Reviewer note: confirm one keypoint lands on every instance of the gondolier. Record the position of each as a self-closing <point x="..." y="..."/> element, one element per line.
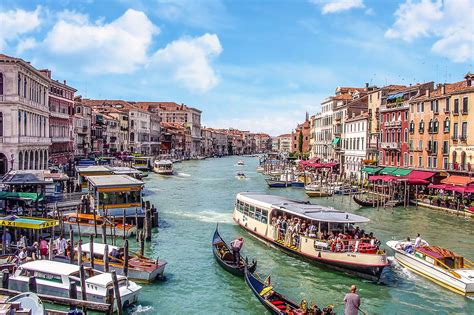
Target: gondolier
<point x="236" y="247"/>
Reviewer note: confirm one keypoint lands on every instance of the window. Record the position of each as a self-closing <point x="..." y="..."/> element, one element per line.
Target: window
<point x="420" y="162"/>
<point x="445" y="147"/>
<point x="410" y="145"/>
<point x="435" y="162"/>
<point x="435" y="147"/>
<point x="456" y="106"/>
<point x="412" y="126"/>
<point x="429" y="161"/>
<point x="421" y="127"/>
<point x="435" y="126"/>
<point x="446" y="108"/>
<point x="455" y="131"/>
<point x="430" y="126"/>
<point x="445" y="163"/>
<point x="446" y="125"/>
<point x="464" y="105"/>
<point x="420" y="144"/>
<point x="411" y="160"/>
<point x="464" y="131"/>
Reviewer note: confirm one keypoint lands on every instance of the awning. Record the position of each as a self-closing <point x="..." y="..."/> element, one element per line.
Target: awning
<point x="371" y="170"/>
<point x="385" y="178"/>
<point x="336" y="141"/>
<point x="27" y="222"/>
<point x="437" y="186"/>
<point x="458" y="189"/>
<point x="420" y="175"/>
<point x="388" y="170"/>
<point x="20" y="196"/>
<point x="417" y="181"/>
<point x="458" y="180"/>
<point x="401" y="172"/>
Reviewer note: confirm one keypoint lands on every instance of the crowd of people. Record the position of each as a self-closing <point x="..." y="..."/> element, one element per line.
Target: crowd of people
<point x="289" y="230"/>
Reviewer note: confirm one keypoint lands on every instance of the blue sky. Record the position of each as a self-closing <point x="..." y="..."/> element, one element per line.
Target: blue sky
<point x="257" y="65"/>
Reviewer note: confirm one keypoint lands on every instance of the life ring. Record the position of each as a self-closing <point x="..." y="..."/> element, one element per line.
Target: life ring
<point x="335" y="248"/>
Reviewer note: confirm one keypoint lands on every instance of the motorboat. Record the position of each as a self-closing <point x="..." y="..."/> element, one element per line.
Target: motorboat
<point x="345" y="189"/>
<point x="240" y="175"/>
<point x="439" y="265"/>
<point x="30" y="303"/>
<point x="140" y="268"/>
<point x="163" y="167"/>
<point x="54" y="278"/>
<point x="255" y="213"/>
<point x="240" y="162"/>
<point x="84" y="224"/>
<point x="260" y="169"/>
<point x="318" y="190"/>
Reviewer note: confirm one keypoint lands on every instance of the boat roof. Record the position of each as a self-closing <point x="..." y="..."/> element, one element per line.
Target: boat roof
<point x="49" y="266"/>
<point x="123" y="170"/>
<point x="304" y="208"/>
<point x="163" y="162"/>
<point x="103" y="279"/>
<point x="114" y="181"/>
<point x="437" y="252"/>
<point x="83" y="215"/>
<point x="98" y="248"/>
<point x="92" y="168"/>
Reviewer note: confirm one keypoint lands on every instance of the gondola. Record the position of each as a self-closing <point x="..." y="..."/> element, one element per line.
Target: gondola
<point x="224" y="256"/>
<point x="364" y="203"/>
<point x="273" y="301"/>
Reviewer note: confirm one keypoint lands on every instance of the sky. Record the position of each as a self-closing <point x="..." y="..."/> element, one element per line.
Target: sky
<point x="255" y="65"/>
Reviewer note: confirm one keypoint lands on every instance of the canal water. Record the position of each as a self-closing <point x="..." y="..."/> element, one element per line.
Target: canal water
<point x="202" y="195"/>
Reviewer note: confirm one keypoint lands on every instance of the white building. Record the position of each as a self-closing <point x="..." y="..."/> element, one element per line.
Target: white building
<point x="284" y="143"/>
<point x="355" y="145"/>
<point x="324" y="131"/>
<point x="24" y="116"/>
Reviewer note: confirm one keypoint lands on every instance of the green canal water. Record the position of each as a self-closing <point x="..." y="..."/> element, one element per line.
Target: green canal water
<point x="202" y="194"/>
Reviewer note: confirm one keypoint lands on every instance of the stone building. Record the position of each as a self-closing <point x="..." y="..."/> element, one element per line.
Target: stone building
<point x="355" y="145"/>
<point x="24" y="116"/>
<point x="82" y="127"/>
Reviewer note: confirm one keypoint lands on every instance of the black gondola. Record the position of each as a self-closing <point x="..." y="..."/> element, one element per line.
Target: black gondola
<point x="224" y="256"/>
<point x="373" y="203"/>
<point x="273" y="301"/>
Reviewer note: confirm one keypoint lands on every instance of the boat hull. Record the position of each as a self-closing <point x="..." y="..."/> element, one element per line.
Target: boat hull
<point x="297" y="184"/>
<point x="432" y="273"/>
<point x="315" y="193"/>
<point x="277" y="184"/>
<point x="163" y="172"/>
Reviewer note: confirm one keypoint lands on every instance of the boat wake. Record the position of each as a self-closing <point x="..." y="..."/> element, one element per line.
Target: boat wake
<point x="184" y="175"/>
<point x="142" y="309"/>
<point x="400" y="271"/>
<point x="208" y="216"/>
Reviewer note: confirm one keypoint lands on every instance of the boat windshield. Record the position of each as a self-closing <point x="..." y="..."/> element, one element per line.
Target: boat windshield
<point x="121" y="197"/>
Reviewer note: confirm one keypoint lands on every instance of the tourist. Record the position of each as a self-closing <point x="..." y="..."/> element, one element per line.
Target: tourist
<point x="312" y="230"/>
<point x="408" y="246"/>
<point x="284" y="226"/>
<point x="289" y="234"/>
<point x="22" y="255"/>
<point x="6" y="239"/>
<point x="236" y="246"/>
<point x="21" y="242"/>
<point x="418" y="240"/>
<point x="33" y="251"/>
<point x="62" y="245"/>
<point x="352" y="302"/>
<point x="43" y="248"/>
<point x="279" y="227"/>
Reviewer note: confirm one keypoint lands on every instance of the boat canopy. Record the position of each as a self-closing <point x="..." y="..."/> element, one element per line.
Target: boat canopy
<point x="305" y="209"/>
<point x="98" y="248"/>
<point x="13" y="221"/>
<point x="163" y="162"/>
<point x="437" y="252"/>
<point x="114" y="181"/>
<point x="20" y="196"/>
<point x="51" y="266"/>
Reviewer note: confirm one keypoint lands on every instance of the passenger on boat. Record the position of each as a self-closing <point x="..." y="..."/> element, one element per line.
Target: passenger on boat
<point x="33" y="251"/>
<point x="115" y="255"/>
<point x="43" y="247"/>
<point x="352" y="302"/>
<point x="236" y="246"/>
<point x="418" y="240"/>
<point x="61" y="245"/>
<point x="312" y="230"/>
<point x="22" y="256"/>
<point x="21" y="242"/>
<point x="408" y="246"/>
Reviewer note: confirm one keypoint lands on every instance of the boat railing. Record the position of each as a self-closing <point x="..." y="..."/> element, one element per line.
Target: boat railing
<point x="468" y="264"/>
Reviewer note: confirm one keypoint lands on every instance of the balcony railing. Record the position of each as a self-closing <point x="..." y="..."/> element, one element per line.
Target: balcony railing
<point x="391" y="145"/>
<point x="463" y="138"/>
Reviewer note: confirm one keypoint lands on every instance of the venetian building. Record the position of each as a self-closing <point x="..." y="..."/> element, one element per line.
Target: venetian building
<point x="24" y="116"/>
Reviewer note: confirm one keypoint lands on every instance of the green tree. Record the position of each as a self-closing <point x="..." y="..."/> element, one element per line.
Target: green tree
<point x="300" y="142"/>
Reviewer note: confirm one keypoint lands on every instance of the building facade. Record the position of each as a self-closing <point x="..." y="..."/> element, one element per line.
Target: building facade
<point x="24" y="116"/>
<point x="355" y="145"/>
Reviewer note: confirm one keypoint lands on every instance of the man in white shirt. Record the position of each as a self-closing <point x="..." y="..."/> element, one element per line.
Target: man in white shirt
<point x="418" y="240"/>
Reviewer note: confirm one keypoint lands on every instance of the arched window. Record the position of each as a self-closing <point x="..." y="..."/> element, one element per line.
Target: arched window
<point x="447" y="125"/>
<point x="454" y="157"/>
<point x="430" y="126"/>
<point x="132" y="137"/>
<point x="412" y="126"/>
<point x="463" y="160"/>
<point x="436" y="125"/>
<point x="422" y="126"/>
<point x="19" y="84"/>
<point x="24" y="87"/>
<point x="1" y="124"/>
<point x="20" y="160"/>
<point x="1" y="83"/>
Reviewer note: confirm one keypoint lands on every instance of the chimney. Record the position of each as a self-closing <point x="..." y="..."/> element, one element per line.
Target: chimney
<point x="427" y="92"/>
<point x="443" y="89"/>
<point x="469" y="78"/>
<point x="65" y="82"/>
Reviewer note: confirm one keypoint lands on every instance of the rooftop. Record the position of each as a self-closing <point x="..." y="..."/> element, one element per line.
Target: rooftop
<point x="114" y="181"/>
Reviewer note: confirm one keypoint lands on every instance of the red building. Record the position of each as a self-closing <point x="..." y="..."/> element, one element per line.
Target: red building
<point x="303" y="132"/>
<point x="394" y="123"/>
<point x="61" y="129"/>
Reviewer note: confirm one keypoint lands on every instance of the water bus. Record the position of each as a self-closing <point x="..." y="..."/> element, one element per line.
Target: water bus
<point x="53" y="278"/>
<point x="84" y="223"/>
<point x="163" y="167"/>
<point x="442" y="266"/>
<point x="257" y="213"/>
<point x="142" y="163"/>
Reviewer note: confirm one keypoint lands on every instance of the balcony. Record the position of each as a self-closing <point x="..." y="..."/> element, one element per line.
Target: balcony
<point x="463" y="138"/>
<point x="464" y="112"/>
<point x="421" y="130"/>
<point x="390" y="145"/>
<point x="35" y="140"/>
<point x="60" y="139"/>
<point x="454" y="138"/>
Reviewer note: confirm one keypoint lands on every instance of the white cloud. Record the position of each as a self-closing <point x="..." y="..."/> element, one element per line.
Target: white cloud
<point x="188" y="61"/>
<point x="26" y="44"/>
<point x="336" y="6"/>
<point x="117" y="47"/>
<point x="449" y="21"/>
<point x="14" y="23"/>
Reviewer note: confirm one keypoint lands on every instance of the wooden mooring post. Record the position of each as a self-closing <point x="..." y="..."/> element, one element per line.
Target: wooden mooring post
<point x="71" y="250"/>
<point x="118" y="298"/>
<point x="82" y="274"/>
<point x="106" y="258"/>
<point x="125" y="258"/>
<point x="91" y="250"/>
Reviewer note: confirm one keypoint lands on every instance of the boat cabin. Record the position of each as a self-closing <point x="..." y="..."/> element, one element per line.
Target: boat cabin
<point x="142" y="163"/>
<point x="116" y="194"/>
<point x="440" y="257"/>
<point x="90" y="170"/>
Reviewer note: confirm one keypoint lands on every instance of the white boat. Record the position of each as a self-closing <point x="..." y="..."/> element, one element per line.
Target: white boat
<point x="256" y="213"/>
<point x="163" y="167"/>
<point x="30" y="303"/>
<point x="440" y="265"/>
<point x="260" y="169"/>
<point x="240" y="175"/>
<point x="84" y="223"/>
<point x="53" y="278"/>
<point x="240" y="162"/>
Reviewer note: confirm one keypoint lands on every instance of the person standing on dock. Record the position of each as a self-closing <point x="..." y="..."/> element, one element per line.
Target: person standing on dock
<point x="352" y="302"/>
<point x="236" y="247"/>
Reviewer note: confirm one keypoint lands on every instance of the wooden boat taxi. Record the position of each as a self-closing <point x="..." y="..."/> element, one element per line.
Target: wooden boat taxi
<point x="224" y="256"/>
<point x="240" y="162"/>
<point x="318" y="191"/>
<point x="84" y="223"/>
<point x="53" y="278"/>
<point x="260" y="169"/>
<point x="140" y="268"/>
<point x="112" y="195"/>
<point x="163" y="167"/>
<point x="257" y="213"/>
<point x="442" y="266"/>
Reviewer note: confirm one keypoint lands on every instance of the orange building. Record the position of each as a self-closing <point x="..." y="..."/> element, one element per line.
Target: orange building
<point x="302" y="132"/>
